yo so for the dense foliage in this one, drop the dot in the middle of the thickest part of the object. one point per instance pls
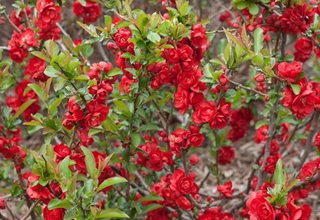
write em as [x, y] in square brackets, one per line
[133, 115]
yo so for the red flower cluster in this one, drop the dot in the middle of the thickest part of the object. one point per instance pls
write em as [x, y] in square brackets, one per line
[304, 47]
[22, 95]
[175, 188]
[304, 103]
[182, 69]
[9, 146]
[48, 15]
[19, 19]
[215, 214]
[35, 69]
[297, 19]
[183, 139]
[20, 43]
[207, 112]
[90, 12]
[259, 207]
[226, 189]
[240, 121]
[153, 157]
[95, 111]
[225, 155]
[122, 45]
[290, 71]
[310, 169]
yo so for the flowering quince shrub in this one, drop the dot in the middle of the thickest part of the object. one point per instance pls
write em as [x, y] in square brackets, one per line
[123, 134]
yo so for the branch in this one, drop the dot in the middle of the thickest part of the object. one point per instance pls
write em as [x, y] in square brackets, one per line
[246, 88]
[271, 131]
[309, 143]
[29, 211]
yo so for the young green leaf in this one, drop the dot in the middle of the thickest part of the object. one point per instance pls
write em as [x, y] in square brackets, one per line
[110, 182]
[258, 40]
[112, 213]
[278, 176]
[296, 89]
[90, 162]
[23, 107]
[57, 203]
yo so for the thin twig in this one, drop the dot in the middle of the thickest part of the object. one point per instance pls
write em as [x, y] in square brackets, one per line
[29, 211]
[246, 88]
[12, 24]
[308, 147]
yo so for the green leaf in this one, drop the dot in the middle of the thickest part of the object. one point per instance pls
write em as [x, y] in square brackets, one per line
[135, 139]
[253, 9]
[38, 90]
[41, 55]
[110, 182]
[64, 168]
[278, 176]
[57, 203]
[258, 40]
[108, 21]
[51, 71]
[183, 9]
[112, 213]
[23, 107]
[261, 123]
[151, 207]
[153, 37]
[295, 88]
[87, 50]
[114, 72]
[90, 162]
[83, 2]
[53, 107]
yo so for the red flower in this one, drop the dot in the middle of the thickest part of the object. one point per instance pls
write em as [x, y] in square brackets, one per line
[54, 214]
[90, 12]
[194, 159]
[97, 114]
[226, 189]
[271, 163]
[35, 68]
[125, 84]
[61, 151]
[181, 100]
[297, 19]
[221, 118]
[158, 214]
[182, 183]
[184, 203]
[225, 155]
[304, 103]
[259, 207]
[49, 14]
[261, 134]
[215, 214]
[18, 54]
[122, 38]
[19, 44]
[299, 213]
[303, 48]
[2, 203]
[204, 112]
[198, 36]
[171, 55]
[309, 169]
[290, 71]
